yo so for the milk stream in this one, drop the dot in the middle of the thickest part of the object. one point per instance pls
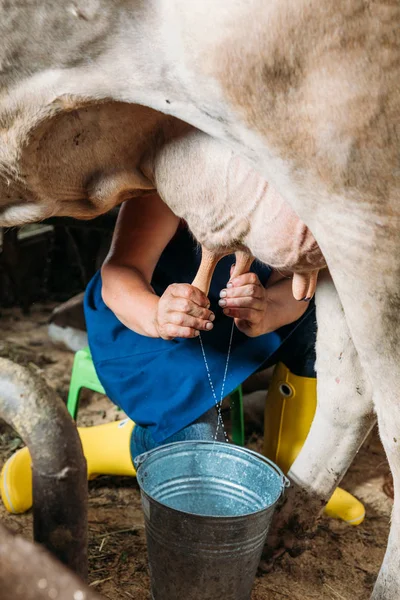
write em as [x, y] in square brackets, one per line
[218, 403]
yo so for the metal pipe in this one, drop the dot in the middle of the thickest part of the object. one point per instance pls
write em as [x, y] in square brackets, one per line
[28, 572]
[59, 473]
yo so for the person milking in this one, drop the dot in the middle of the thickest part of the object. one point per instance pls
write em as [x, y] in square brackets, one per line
[144, 317]
[145, 311]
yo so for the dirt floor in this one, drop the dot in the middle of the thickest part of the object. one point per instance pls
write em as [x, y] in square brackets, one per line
[341, 564]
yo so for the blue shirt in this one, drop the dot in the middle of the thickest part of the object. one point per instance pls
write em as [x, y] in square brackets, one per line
[163, 384]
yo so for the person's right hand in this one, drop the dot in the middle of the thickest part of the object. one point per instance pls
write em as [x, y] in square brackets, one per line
[183, 311]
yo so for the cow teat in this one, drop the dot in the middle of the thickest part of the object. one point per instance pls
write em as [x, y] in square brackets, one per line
[304, 284]
[210, 259]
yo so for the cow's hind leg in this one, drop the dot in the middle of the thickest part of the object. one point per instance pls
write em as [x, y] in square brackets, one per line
[378, 342]
[364, 261]
[387, 586]
[343, 418]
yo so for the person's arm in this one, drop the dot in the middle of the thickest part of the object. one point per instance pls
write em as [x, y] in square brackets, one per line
[258, 309]
[144, 228]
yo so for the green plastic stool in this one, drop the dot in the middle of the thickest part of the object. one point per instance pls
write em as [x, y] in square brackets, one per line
[84, 376]
[237, 416]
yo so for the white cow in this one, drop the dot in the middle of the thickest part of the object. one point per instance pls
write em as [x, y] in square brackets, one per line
[306, 90]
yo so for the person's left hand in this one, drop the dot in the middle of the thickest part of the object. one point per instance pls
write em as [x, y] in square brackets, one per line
[244, 299]
[258, 310]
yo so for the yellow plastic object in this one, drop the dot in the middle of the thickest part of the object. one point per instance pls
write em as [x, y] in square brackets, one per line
[107, 451]
[343, 505]
[289, 412]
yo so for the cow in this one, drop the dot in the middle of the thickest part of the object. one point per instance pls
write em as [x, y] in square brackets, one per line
[306, 91]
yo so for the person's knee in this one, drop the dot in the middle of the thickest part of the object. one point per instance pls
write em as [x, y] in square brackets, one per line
[141, 441]
[204, 428]
[207, 427]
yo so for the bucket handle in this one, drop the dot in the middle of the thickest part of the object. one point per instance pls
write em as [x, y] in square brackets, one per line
[141, 458]
[285, 480]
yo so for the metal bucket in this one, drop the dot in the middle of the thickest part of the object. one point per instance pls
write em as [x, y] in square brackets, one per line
[207, 507]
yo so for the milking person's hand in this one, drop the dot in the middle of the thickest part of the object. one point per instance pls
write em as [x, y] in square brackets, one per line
[257, 309]
[183, 311]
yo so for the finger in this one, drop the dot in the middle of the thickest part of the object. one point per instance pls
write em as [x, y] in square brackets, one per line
[245, 302]
[171, 331]
[243, 280]
[190, 308]
[189, 292]
[251, 289]
[185, 320]
[243, 313]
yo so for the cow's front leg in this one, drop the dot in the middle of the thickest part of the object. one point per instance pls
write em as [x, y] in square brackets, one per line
[343, 418]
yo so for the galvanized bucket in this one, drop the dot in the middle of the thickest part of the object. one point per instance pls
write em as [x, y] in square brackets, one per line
[207, 507]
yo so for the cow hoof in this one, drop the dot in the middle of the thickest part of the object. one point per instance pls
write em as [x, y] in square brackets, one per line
[288, 544]
[292, 537]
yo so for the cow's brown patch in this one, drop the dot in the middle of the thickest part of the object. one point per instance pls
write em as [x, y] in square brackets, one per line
[319, 81]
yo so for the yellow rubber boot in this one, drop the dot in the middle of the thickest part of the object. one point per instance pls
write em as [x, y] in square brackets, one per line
[289, 412]
[106, 449]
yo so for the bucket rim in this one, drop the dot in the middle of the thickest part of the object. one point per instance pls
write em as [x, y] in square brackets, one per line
[141, 459]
